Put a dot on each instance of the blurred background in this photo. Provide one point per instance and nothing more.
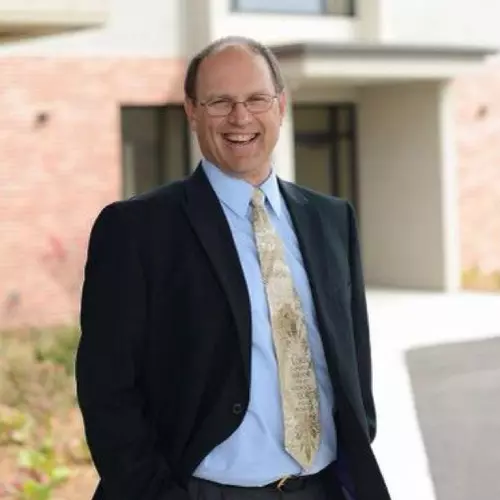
(395, 105)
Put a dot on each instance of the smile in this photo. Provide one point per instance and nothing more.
(240, 139)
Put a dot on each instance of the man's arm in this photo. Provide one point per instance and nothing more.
(360, 324)
(109, 357)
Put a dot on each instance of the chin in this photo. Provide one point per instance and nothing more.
(247, 164)
(255, 171)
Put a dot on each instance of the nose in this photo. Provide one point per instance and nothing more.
(239, 114)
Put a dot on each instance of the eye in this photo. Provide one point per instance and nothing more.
(258, 98)
(219, 102)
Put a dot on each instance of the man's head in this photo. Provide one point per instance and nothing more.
(235, 103)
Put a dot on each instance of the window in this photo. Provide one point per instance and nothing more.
(317, 7)
(155, 147)
(325, 148)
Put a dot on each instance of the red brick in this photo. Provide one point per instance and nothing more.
(54, 178)
(477, 100)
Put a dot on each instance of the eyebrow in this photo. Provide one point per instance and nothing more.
(227, 96)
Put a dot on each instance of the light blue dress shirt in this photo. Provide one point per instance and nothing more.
(254, 454)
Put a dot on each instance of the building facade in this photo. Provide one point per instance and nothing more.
(393, 106)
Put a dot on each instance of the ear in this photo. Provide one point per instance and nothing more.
(190, 110)
(282, 103)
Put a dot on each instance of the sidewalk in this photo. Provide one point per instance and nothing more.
(400, 321)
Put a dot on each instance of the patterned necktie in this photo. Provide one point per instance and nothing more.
(296, 371)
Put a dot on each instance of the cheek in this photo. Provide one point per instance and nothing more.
(207, 131)
(272, 129)
(214, 131)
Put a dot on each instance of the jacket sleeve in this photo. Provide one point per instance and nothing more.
(361, 324)
(113, 319)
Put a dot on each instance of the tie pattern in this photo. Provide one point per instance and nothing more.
(296, 372)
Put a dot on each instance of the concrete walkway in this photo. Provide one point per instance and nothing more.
(401, 321)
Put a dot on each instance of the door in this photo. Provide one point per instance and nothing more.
(311, 165)
(325, 149)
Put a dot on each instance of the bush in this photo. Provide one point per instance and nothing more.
(36, 397)
(36, 370)
(58, 346)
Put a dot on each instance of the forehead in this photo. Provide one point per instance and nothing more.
(234, 70)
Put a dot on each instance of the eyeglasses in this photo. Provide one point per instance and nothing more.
(222, 107)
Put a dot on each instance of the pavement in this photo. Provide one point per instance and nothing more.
(436, 363)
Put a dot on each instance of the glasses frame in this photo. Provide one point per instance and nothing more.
(234, 103)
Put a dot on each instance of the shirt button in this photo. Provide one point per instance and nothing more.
(237, 408)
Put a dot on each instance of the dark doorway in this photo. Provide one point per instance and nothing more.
(155, 147)
(325, 148)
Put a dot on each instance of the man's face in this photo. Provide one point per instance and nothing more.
(240, 143)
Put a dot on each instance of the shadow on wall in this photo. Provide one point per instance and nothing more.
(456, 389)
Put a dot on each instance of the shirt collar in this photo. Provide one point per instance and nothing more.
(237, 193)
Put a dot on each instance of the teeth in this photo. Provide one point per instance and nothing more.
(240, 137)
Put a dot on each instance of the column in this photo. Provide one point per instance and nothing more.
(284, 152)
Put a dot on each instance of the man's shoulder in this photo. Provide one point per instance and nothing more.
(166, 193)
(320, 200)
(142, 207)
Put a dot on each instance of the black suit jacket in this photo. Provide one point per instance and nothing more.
(163, 364)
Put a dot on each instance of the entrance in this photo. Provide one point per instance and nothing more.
(325, 148)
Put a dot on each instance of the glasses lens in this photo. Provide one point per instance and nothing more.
(259, 104)
(219, 108)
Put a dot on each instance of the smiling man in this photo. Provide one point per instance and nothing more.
(236, 107)
(225, 347)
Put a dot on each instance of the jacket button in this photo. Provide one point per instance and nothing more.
(237, 408)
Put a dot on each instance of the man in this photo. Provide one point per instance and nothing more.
(225, 348)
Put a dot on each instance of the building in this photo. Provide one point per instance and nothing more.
(91, 95)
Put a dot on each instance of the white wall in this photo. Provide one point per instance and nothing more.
(273, 29)
(284, 152)
(323, 93)
(154, 28)
(407, 188)
(39, 13)
(219, 21)
(434, 22)
(369, 13)
(440, 22)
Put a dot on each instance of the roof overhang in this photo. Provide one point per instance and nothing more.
(365, 63)
(36, 18)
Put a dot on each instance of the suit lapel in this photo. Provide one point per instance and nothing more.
(318, 264)
(213, 231)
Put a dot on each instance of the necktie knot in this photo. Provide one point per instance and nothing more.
(258, 198)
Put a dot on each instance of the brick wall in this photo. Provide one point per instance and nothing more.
(477, 100)
(59, 164)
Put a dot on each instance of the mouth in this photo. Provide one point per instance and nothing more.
(240, 140)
